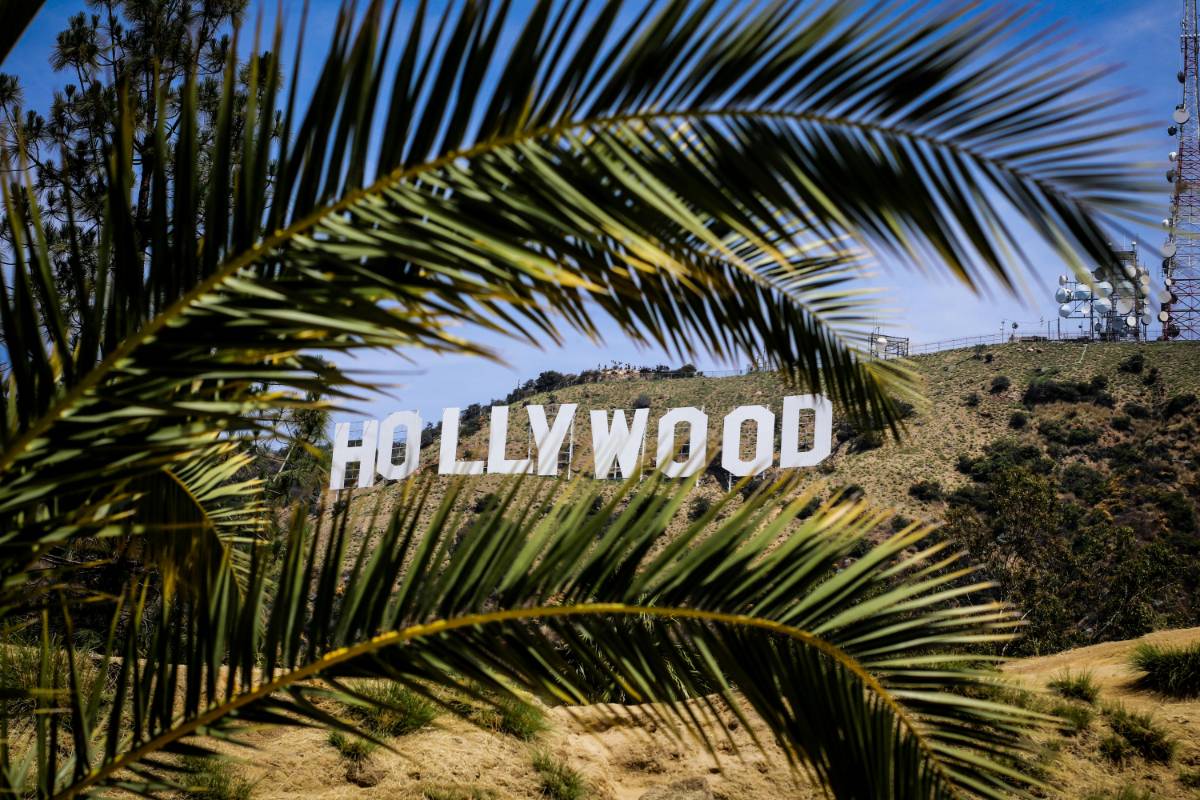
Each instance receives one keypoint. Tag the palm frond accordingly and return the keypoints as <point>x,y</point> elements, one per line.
<point>862,673</point>
<point>695,176</point>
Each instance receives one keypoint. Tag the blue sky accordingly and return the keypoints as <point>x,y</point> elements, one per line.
<point>1141,36</point>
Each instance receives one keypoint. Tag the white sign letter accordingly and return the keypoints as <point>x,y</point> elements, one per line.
<point>549,441</point>
<point>790,454</point>
<point>448,463</point>
<point>764,440</point>
<point>696,455</point>
<point>619,442</point>
<point>410,421</point>
<point>497,462</point>
<point>361,453</point>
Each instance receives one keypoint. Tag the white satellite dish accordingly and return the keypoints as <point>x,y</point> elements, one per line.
<point>1181,115</point>
<point>1064,310</point>
<point>1168,282</point>
<point>1124,305</point>
<point>1085,309</point>
<point>1162,295</point>
<point>1102,305</point>
<point>1081,293</point>
<point>1124,287</point>
<point>1147,318</point>
<point>882,341</point>
<point>1166,223</point>
<point>1172,155</point>
<point>1131,321</point>
<point>1130,271</point>
<point>1168,249</point>
<point>1062,294</point>
<point>1163,316</point>
<point>1062,280</point>
<point>1104,288</point>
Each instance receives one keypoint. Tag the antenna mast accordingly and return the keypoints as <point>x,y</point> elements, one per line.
<point>1180,315</point>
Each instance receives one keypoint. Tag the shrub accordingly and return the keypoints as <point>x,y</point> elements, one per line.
<point>1177,509</point>
<point>1075,687</point>
<point>1075,718</point>
<point>453,792</point>
<point>1173,671</point>
<point>642,401</point>
<point>1057,430</point>
<point>1047,390</point>
<point>350,747</point>
<point>1190,778</point>
<point>1000,383</point>
<point>1142,733</point>
<point>699,507</point>
<point>1133,364</point>
<point>900,522</point>
<point>1121,422</point>
<point>1126,792</point>
<point>558,780</point>
<point>867,440</point>
<point>1084,482</point>
<point>1137,410</point>
<point>1151,377</point>
<point>971,400</point>
<point>1178,404</point>
<point>401,710</point>
<point>1018,420</point>
<point>926,491</point>
<point>214,778</point>
<point>1116,749</point>
<point>506,715</point>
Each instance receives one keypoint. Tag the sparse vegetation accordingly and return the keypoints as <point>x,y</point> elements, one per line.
<point>1173,671</point>
<point>1018,420</point>
<point>1127,792</point>
<point>1076,718</point>
<point>456,792</point>
<point>506,715</point>
<point>214,778</point>
<point>1178,404</point>
<point>1117,750</point>
<point>1142,733</point>
<point>392,709</point>
<point>1000,384</point>
<point>557,778</point>
<point>971,400</point>
<point>1078,686</point>
<point>1133,364</point>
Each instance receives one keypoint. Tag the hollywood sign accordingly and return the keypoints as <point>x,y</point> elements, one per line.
<point>614,439</point>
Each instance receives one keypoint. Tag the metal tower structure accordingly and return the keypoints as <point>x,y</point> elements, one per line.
<point>1180,314</point>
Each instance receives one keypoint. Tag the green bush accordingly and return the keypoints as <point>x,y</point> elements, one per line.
<point>642,401</point>
<point>926,491</point>
<point>1190,778</point>
<point>971,400</point>
<point>1075,718</point>
<point>558,780</point>
<point>1133,364</point>
<point>1059,430</point>
<point>1084,482</point>
<point>214,778</point>
<point>1142,733</point>
<point>1081,686</point>
<point>1121,422</point>
<point>1178,404</point>
<point>700,506</point>
<point>1018,420</point>
<point>397,710</point>
<point>1000,383</point>
<point>1136,410</point>
<point>1048,390</point>
<point>505,715</point>
<point>351,747</point>
<point>1173,671</point>
<point>1117,750</point>
<point>1124,793</point>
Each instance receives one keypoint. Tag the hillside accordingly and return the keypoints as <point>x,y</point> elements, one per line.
<point>949,427</point>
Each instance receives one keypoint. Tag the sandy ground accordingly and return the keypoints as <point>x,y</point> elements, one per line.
<point>635,758</point>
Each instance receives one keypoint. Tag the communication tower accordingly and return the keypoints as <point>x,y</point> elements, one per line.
<point>1109,310</point>
<point>1179,295</point>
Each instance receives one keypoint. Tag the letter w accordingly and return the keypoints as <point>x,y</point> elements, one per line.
<point>618,442</point>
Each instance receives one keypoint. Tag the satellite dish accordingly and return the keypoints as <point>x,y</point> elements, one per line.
<point>1063,279</point>
<point>1081,293</point>
<point>1124,305</point>
<point>1130,271</point>
<point>1170,176</point>
<point>1104,288</point>
<point>1179,76</point>
<point>1062,294</point>
<point>1172,130</point>
<point>1102,305</point>
<point>1131,321</point>
<point>1166,223</point>
<point>1168,249</point>
<point>1168,282</point>
<point>882,341</point>
<point>1162,295</point>
<point>1181,115</point>
<point>1172,155</point>
<point>1085,309</point>
<point>1147,318</point>
<point>1163,316</point>
<point>1124,287</point>
<point>1064,310</point>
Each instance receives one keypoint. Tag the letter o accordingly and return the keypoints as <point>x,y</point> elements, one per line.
<point>731,440</point>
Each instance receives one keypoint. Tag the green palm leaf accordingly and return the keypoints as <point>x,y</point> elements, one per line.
<point>862,673</point>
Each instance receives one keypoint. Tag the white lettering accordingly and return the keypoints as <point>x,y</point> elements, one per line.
<point>498,463</point>
<point>549,441</point>
<point>362,454</point>
<point>448,463</point>
<point>619,442</point>
<point>790,454</point>
<point>764,440</point>
<point>696,456</point>
<point>410,421</point>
